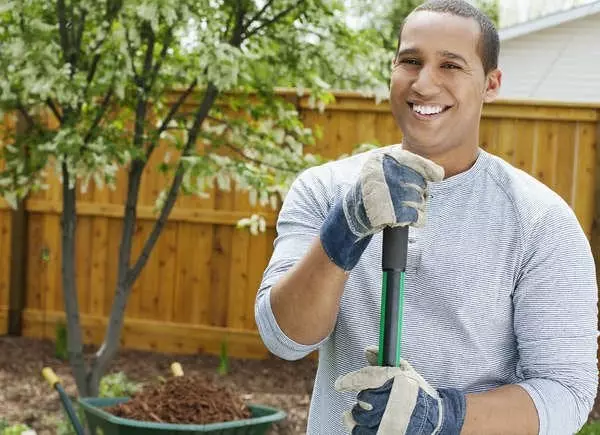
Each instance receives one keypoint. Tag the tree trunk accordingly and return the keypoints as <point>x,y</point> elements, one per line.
<point>74,339</point>
<point>109,347</point>
<point>127,275</point>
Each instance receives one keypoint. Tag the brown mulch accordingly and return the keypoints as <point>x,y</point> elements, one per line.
<point>26,398</point>
<point>184,400</point>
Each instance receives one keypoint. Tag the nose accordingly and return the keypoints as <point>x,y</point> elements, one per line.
<point>426,83</point>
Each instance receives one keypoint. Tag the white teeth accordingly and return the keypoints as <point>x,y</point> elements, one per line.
<point>427,110</point>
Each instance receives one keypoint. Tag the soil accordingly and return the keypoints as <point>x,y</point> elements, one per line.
<point>26,398</point>
<point>184,400</point>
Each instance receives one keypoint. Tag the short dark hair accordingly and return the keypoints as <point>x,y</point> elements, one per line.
<point>489,43</point>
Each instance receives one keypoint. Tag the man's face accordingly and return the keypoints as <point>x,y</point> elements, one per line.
<point>438,84</point>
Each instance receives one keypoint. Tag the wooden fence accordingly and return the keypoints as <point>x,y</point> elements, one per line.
<point>198,288</point>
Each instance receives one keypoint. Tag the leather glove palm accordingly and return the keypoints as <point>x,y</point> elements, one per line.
<point>390,191</point>
<point>398,401</point>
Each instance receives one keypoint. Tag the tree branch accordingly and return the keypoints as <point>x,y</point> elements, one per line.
<point>241,152</point>
<point>148,57</point>
<point>165,124</point>
<point>110,15</point>
<point>54,109</point>
<point>91,73</point>
<point>131,54</point>
<point>140,120</point>
<point>259,162</point>
<point>237,39</point>
<point>142,91</point>
<point>229,24</point>
<point>257,16</point>
<point>111,339</point>
<point>201,114</point>
<point>270,21</point>
<point>26,115</point>
<point>62,28</point>
<point>79,36</point>
<point>99,115</point>
<point>161,57</point>
<point>113,7</point>
<point>21,21</point>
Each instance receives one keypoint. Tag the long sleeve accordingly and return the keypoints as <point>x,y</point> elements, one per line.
<point>555,321</point>
<point>298,224</point>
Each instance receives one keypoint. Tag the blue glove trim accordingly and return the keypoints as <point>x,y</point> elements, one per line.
<point>455,409</point>
<point>378,399</point>
<point>340,244</point>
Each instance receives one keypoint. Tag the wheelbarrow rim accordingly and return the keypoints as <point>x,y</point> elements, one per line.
<point>87,404</point>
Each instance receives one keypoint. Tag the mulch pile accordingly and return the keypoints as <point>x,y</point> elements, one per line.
<point>184,400</point>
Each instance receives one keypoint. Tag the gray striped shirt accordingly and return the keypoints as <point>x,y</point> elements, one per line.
<point>500,289</point>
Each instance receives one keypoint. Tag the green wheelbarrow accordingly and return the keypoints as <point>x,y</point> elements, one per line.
<point>101,422</point>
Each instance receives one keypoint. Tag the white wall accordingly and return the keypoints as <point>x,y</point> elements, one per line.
<point>519,11</point>
<point>561,63</point>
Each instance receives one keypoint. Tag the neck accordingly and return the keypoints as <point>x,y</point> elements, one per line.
<point>454,161</point>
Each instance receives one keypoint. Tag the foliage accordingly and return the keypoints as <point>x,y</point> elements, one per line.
<point>223,368</point>
<point>98,60</point>
<point>492,9</point>
<point>592,428</point>
<point>60,343</point>
<point>100,86</point>
<point>15,429</point>
<point>118,385</point>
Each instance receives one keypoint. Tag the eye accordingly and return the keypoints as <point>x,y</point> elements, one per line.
<point>451,66</point>
<point>409,61</point>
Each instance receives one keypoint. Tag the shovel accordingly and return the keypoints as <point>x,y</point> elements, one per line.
<point>395,248</point>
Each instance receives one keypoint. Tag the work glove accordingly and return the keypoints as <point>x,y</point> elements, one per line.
<point>390,191</point>
<point>398,401</point>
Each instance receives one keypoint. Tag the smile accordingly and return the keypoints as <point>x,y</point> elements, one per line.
<point>428,111</point>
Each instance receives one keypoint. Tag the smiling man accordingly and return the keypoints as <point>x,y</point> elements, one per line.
<point>500,317</point>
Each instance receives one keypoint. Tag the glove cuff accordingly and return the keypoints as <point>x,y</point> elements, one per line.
<point>340,244</point>
<point>455,408</point>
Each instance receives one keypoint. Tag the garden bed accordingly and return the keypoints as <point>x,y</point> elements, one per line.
<point>26,398</point>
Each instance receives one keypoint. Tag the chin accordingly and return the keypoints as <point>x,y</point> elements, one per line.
<point>422,143</point>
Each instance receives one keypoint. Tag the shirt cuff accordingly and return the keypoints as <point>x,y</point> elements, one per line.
<point>274,338</point>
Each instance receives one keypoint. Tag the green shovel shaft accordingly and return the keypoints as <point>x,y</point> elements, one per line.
<point>395,250</point>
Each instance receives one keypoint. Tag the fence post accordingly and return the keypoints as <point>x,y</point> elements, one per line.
<point>18,259</point>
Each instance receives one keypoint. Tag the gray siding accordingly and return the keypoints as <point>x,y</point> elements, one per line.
<point>561,63</point>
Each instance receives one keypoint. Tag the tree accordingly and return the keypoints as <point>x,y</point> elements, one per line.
<point>492,9</point>
<point>115,74</point>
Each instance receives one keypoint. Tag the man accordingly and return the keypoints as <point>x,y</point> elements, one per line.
<point>500,317</point>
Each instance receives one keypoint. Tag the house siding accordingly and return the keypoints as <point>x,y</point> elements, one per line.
<point>561,63</point>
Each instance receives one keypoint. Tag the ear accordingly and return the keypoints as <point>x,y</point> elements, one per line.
<point>493,83</point>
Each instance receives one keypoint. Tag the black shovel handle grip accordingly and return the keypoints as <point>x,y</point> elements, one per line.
<point>395,248</point>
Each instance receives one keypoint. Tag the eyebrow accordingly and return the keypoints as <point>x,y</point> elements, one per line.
<point>454,56</point>
<point>444,53</point>
<point>408,51</point>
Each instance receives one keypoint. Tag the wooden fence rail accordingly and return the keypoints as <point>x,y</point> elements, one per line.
<point>198,288</point>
